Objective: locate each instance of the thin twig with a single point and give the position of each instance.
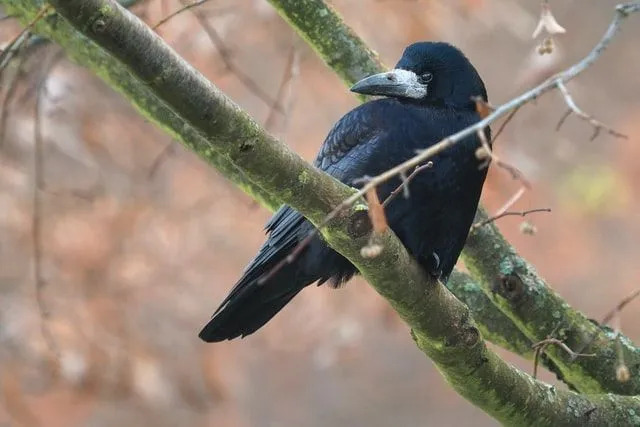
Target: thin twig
(573, 108)
(508, 213)
(164, 154)
(244, 78)
(177, 12)
(541, 346)
(404, 185)
(618, 308)
(516, 196)
(504, 124)
(622, 11)
(614, 314)
(37, 208)
(513, 171)
(15, 43)
(291, 72)
(12, 85)
(622, 370)
(13, 48)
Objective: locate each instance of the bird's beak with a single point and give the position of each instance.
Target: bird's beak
(396, 83)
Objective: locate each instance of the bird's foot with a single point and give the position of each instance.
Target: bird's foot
(435, 271)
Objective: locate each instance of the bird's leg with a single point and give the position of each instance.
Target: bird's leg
(434, 270)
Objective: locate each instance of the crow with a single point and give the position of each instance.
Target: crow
(428, 96)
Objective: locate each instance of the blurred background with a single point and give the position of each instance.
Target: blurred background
(137, 241)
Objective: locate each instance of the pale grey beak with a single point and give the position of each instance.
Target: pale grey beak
(396, 83)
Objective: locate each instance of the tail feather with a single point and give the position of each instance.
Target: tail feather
(244, 316)
(252, 304)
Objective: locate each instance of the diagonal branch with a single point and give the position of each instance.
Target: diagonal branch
(486, 251)
(117, 76)
(442, 327)
(573, 108)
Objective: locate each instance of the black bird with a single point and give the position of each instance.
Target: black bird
(428, 96)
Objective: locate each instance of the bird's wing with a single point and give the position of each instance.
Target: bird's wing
(342, 149)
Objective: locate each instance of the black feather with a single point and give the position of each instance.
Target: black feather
(368, 141)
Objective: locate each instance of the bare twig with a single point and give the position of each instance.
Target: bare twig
(618, 308)
(37, 208)
(12, 85)
(622, 11)
(18, 40)
(516, 196)
(285, 90)
(164, 154)
(573, 108)
(540, 347)
(508, 213)
(404, 185)
(504, 124)
(622, 370)
(225, 55)
(487, 151)
(177, 12)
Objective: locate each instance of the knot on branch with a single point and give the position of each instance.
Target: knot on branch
(98, 23)
(510, 287)
(470, 336)
(359, 224)
(98, 26)
(246, 145)
(467, 336)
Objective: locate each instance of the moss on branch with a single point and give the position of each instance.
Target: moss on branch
(324, 30)
(485, 248)
(494, 325)
(441, 324)
(518, 290)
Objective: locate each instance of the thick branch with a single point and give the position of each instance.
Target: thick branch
(117, 76)
(336, 43)
(494, 325)
(514, 286)
(536, 327)
(441, 323)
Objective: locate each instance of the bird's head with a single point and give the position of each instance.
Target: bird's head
(428, 73)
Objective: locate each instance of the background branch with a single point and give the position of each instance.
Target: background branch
(86, 53)
(594, 374)
(441, 324)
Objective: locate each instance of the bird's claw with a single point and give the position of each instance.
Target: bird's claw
(435, 271)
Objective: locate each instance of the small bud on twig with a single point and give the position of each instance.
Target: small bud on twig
(622, 373)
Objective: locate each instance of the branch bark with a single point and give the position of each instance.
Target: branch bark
(483, 251)
(86, 53)
(441, 325)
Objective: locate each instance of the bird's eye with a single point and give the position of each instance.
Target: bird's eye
(426, 77)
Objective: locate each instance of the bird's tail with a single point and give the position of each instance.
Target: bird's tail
(253, 302)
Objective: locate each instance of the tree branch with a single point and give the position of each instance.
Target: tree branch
(441, 324)
(591, 375)
(336, 43)
(514, 286)
(494, 325)
(86, 53)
